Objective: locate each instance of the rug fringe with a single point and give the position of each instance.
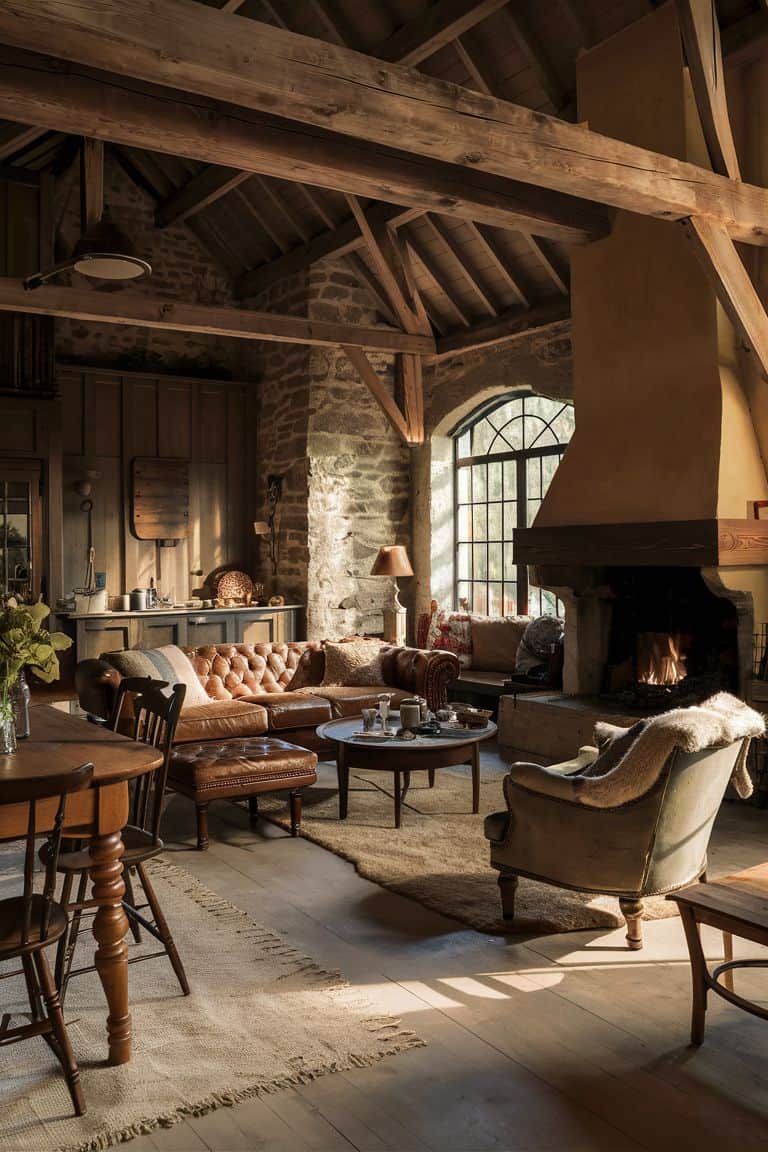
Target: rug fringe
(405, 1040)
(391, 1034)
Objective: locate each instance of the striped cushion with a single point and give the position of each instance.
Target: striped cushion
(166, 663)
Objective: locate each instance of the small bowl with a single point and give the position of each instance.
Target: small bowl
(473, 717)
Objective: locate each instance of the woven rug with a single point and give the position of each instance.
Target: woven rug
(261, 1017)
(439, 855)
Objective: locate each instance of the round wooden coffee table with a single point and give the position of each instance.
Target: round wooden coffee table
(401, 757)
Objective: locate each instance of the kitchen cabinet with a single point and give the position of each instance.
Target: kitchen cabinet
(113, 631)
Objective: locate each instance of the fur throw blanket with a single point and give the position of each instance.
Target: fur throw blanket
(717, 722)
(723, 719)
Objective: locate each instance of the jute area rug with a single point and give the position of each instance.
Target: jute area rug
(439, 856)
(261, 1017)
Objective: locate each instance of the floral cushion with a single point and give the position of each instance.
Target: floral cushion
(451, 632)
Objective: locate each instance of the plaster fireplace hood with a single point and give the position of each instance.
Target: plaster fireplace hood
(665, 463)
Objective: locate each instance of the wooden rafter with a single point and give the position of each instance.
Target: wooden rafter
(281, 208)
(91, 182)
(701, 38)
(486, 242)
(158, 312)
(510, 325)
(388, 266)
(558, 274)
(202, 190)
(437, 26)
(534, 54)
(316, 204)
(408, 370)
(326, 86)
(476, 73)
(338, 241)
(425, 257)
(14, 137)
(379, 391)
(721, 261)
(80, 101)
(367, 279)
(459, 258)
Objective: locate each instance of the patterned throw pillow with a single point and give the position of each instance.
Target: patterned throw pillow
(167, 663)
(451, 632)
(354, 663)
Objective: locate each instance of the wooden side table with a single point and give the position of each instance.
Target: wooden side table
(738, 906)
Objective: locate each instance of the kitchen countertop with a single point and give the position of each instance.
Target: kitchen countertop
(180, 610)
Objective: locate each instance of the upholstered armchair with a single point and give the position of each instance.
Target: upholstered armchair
(632, 819)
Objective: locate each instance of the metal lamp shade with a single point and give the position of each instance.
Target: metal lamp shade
(106, 253)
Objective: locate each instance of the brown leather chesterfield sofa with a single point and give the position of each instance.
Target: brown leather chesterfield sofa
(273, 689)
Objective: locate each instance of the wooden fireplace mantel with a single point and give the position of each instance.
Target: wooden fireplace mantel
(678, 543)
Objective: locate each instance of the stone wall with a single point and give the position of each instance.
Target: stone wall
(346, 473)
(180, 268)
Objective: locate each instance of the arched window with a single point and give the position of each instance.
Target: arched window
(505, 456)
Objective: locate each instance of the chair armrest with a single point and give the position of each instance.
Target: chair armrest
(585, 756)
(427, 673)
(543, 781)
(96, 683)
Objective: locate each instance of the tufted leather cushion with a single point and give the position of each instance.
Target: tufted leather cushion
(229, 671)
(242, 766)
(220, 719)
(295, 709)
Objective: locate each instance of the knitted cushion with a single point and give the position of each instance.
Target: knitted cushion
(166, 663)
(356, 662)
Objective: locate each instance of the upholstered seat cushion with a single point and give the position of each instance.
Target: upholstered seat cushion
(241, 767)
(346, 701)
(305, 709)
(221, 719)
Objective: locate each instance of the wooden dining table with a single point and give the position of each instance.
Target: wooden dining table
(59, 741)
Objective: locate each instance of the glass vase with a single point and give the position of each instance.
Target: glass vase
(20, 696)
(7, 728)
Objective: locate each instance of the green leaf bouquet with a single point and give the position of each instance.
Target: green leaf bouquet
(24, 643)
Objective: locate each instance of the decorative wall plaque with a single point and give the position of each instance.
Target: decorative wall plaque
(160, 499)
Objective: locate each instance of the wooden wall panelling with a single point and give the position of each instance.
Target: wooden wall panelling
(139, 402)
(101, 416)
(237, 470)
(107, 534)
(71, 385)
(174, 419)
(19, 427)
(212, 474)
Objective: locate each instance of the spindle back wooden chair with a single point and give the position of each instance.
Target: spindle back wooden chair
(156, 711)
(34, 921)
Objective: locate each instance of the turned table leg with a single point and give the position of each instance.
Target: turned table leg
(110, 926)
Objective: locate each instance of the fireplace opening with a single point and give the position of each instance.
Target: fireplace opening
(672, 641)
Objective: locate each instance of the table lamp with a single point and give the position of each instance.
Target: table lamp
(392, 560)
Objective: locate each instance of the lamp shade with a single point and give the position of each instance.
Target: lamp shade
(105, 253)
(392, 560)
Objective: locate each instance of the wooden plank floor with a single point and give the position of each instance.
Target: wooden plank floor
(565, 1043)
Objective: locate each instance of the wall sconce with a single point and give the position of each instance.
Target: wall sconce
(267, 527)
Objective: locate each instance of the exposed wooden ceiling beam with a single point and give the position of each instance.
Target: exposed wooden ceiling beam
(91, 182)
(721, 261)
(486, 243)
(282, 209)
(701, 38)
(552, 266)
(370, 377)
(202, 190)
(508, 326)
(80, 101)
(158, 312)
(338, 241)
(479, 80)
(386, 261)
(459, 258)
(178, 43)
(534, 54)
(408, 372)
(423, 254)
(743, 39)
(368, 280)
(14, 137)
(435, 27)
(316, 204)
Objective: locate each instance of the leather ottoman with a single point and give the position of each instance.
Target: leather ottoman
(240, 767)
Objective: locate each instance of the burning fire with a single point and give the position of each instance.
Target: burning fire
(659, 658)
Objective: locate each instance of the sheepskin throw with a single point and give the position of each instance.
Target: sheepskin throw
(722, 719)
(719, 721)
